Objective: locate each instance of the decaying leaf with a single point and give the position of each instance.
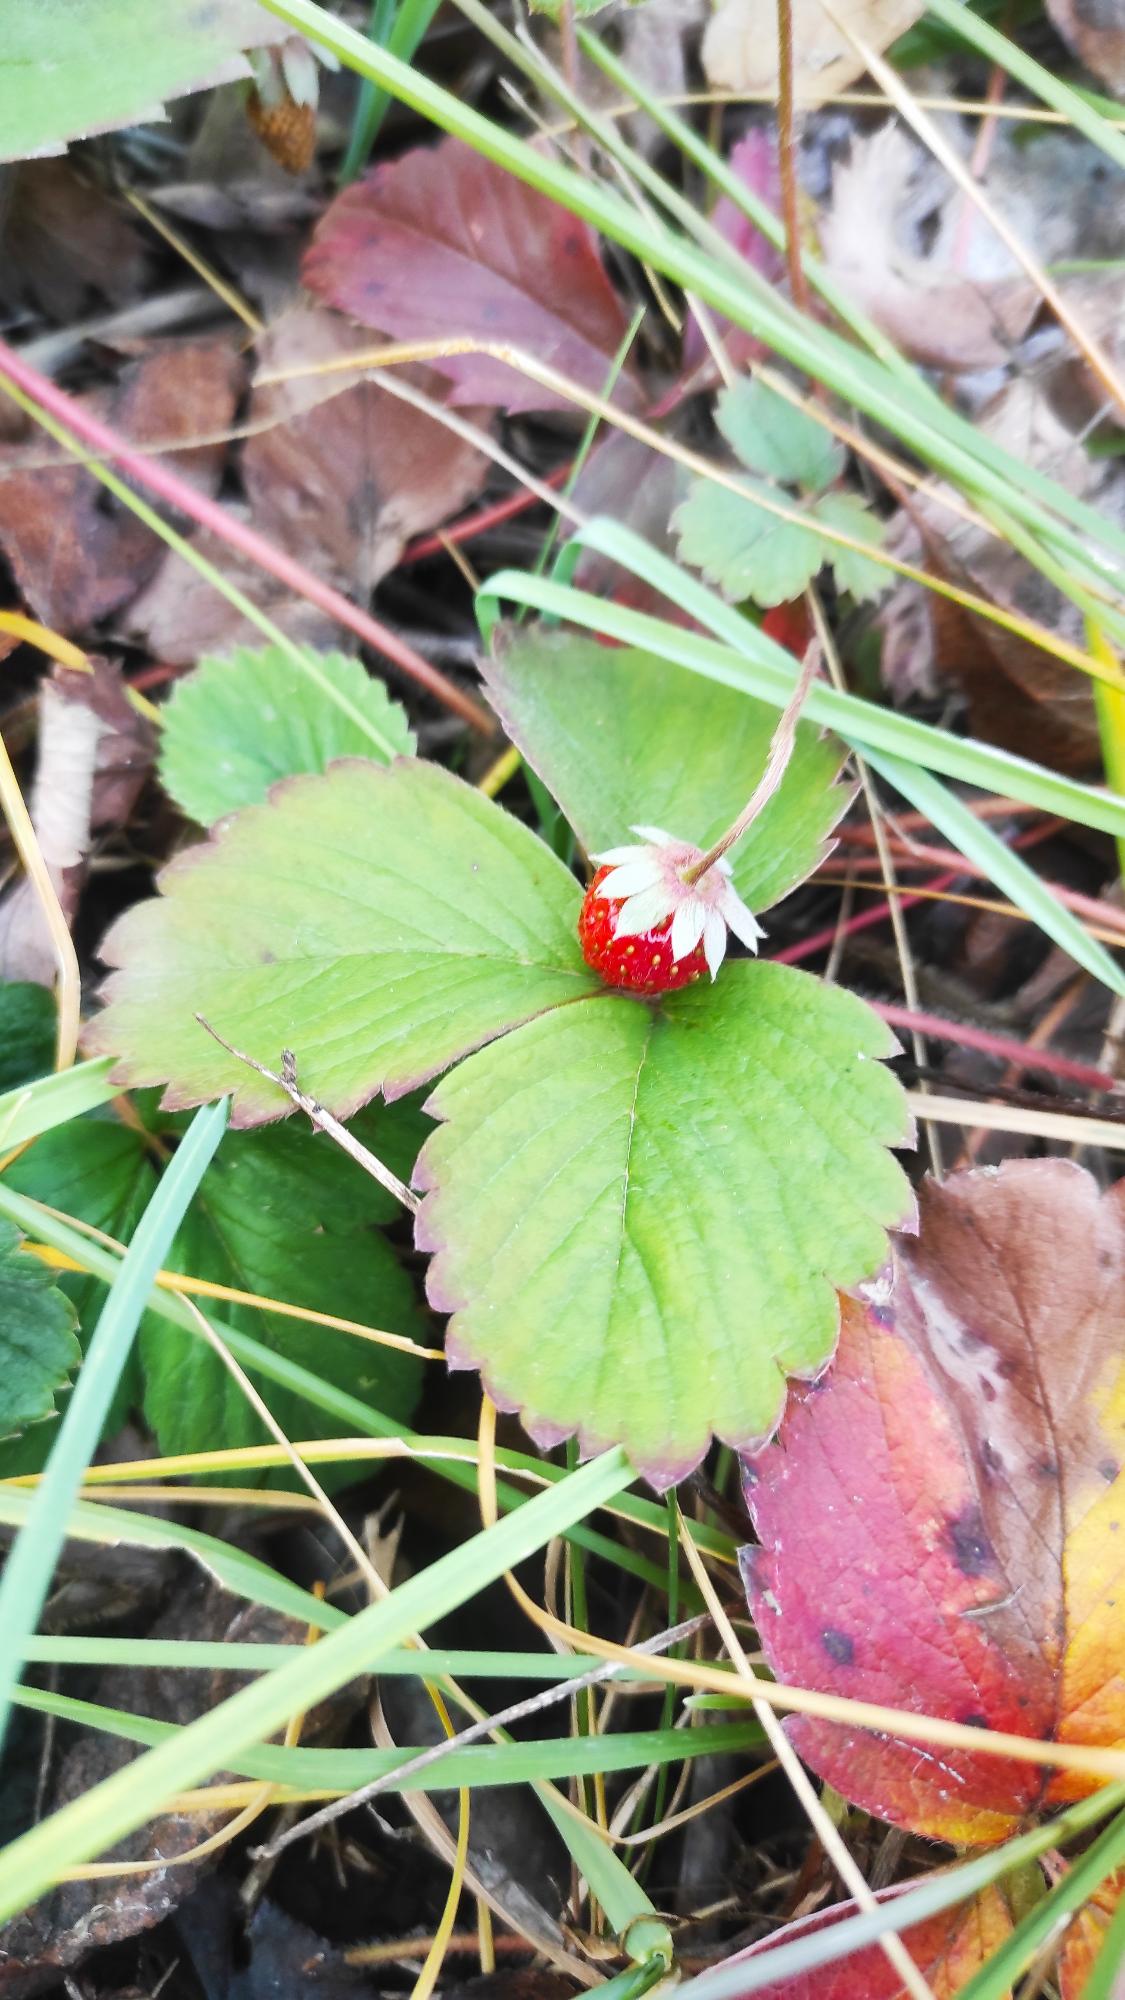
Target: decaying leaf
(1095, 30)
(740, 46)
(444, 244)
(76, 559)
(947, 1949)
(347, 473)
(944, 312)
(65, 241)
(1086, 1936)
(94, 754)
(942, 1518)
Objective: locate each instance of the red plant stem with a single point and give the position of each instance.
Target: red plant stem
(1087, 907)
(479, 523)
(1005, 1048)
(208, 514)
(823, 940)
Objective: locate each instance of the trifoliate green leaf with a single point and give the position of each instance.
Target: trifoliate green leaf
(640, 1216)
(241, 721)
(744, 548)
(377, 921)
(774, 438)
(862, 575)
(621, 738)
(38, 1350)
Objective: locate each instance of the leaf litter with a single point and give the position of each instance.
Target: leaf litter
(935, 1524)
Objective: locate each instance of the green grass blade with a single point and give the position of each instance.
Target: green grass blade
(94, 1822)
(221, 1655)
(761, 668)
(546, 1760)
(934, 1894)
(37, 1107)
(29, 1568)
(1008, 870)
(104, 1526)
(967, 24)
(999, 1976)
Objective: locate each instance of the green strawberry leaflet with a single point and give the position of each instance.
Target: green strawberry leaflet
(639, 1216)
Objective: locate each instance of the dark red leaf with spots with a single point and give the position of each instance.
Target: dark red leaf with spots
(942, 1516)
(947, 1949)
(443, 245)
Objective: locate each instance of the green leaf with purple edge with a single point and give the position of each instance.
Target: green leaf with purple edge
(378, 921)
(640, 1216)
(621, 738)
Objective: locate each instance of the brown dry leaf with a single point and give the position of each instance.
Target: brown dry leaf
(348, 473)
(1095, 30)
(1019, 696)
(740, 45)
(181, 616)
(64, 241)
(940, 315)
(94, 754)
(77, 558)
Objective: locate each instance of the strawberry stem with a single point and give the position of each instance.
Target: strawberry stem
(780, 751)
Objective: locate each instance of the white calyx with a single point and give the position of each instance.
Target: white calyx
(650, 878)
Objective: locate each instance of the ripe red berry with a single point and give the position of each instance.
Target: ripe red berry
(641, 964)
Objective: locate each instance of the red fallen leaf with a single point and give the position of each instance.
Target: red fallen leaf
(790, 625)
(947, 1949)
(443, 243)
(942, 1516)
(754, 160)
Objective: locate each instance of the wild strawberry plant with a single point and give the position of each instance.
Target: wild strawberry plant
(639, 1209)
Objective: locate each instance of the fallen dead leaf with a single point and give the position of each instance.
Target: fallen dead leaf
(947, 1949)
(94, 755)
(180, 616)
(64, 242)
(941, 315)
(442, 243)
(347, 473)
(941, 1516)
(1095, 30)
(76, 556)
(740, 45)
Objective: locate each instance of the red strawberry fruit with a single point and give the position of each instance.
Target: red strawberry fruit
(651, 922)
(642, 964)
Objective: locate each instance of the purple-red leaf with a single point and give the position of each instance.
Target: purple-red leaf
(947, 1949)
(942, 1516)
(444, 245)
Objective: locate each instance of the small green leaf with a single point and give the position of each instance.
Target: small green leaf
(621, 738)
(379, 921)
(38, 1349)
(640, 1216)
(862, 575)
(27, 1033)
(741, 547)
(240, 722)
(775, 439)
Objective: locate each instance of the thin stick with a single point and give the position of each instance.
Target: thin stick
(786, 156)
(286, 1080)
(518, 1711)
